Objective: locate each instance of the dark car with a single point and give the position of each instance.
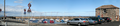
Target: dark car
(98, 19)
(107, 19)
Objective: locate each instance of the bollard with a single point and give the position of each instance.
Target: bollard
(5, 23)
(29, 22)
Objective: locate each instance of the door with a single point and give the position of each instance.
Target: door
(71, 21)
(76, 21)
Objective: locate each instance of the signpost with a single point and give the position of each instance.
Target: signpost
(29, 11)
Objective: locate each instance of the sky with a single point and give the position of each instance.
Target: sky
(55, 7)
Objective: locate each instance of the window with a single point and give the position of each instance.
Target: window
(94, 18)
(87, 19)
(72, 19)
(82, 19)
(90, 19)
(76, 19)
(104, 10)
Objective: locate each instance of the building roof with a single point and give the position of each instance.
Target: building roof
(107, 7)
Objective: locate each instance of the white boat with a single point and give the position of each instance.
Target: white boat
(26, 20)
(32, 19)
(42, 19)
(39, 20)
(66, 20)
(51, 19)
(58, 20)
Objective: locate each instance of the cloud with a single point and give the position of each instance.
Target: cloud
(18, 1)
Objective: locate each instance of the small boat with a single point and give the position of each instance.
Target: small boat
(51, 20)
(63, 20)
(32, 19)
(19, 19)
(39, 21)
(66, 20)
(58, 20)
(44, 21)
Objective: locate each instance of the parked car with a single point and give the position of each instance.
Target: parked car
(91, 21)
(107, 19)
(78, 21)
(98, 19)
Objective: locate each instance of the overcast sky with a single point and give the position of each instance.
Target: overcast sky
(55, 7)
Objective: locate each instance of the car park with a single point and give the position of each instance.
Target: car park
(107, 19)
(91, 21)
(98, 19)
(78, 21)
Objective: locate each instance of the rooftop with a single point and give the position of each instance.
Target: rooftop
(107, 7)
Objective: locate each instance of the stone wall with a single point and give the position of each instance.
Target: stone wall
(112, 13)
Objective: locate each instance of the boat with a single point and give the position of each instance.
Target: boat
(51, 20)
(58, 20)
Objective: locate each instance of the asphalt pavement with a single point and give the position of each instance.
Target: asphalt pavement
(115, 23)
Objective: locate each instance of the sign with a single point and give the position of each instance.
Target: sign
(29, 5)
(24, 11)
(98, 15)
(29, 10)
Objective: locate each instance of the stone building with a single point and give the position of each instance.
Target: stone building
(108, 11)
